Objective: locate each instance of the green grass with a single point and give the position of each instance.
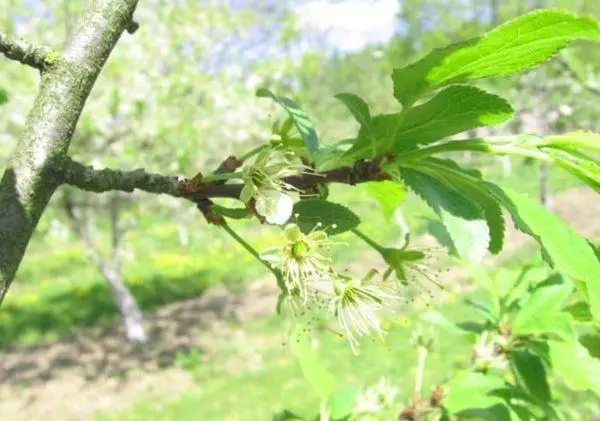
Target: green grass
(278, 384)
(46, 301)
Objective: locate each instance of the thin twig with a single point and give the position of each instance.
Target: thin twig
(249, 248)
(567, 66)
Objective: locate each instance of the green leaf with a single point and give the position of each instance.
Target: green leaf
(580, 311)
(389, 194)
(544, 302)
(287, 415)
(452, 111)
(385, 127)
(591, 342)
(462, 218)
(471, 239)
(531, 374)
(573, 363)
(472, 391)
(438, 319)
(558, 325)
(488, 308)
(470, 184)
(333, 155)
(570, 253)
(3, 96)
(341, 403)
(301, 120)
(360, 110)
(333, 217)
(439, 195)
(513, 47)
(579, 139)
(522, 405)
(473, 188)
(517, 293)
(581, 166)
(321, 380)
(496, 412)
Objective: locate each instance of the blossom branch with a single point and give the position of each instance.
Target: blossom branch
(86, 177)
(360, 172)
(23, 51)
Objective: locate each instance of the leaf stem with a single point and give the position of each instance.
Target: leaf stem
(500, 146)
(512, 150)
(253, 152)
(251, 250)
(421, 359)
(368, 240)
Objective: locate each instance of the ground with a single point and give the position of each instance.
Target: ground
(96, 369)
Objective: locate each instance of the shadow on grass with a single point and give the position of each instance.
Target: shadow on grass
(56, 313)
(103, 351)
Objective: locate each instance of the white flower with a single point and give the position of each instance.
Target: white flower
(488, 352)
(357, 306)
(274, 205)
(263, 181)
(301, 260)
(375, 399)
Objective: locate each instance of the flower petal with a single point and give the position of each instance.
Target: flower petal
(247, 191)
(274, 205)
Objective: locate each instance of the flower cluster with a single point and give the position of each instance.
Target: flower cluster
(308, 275)
(371, 402)
(358, 304)
(301, 259)
(490, 352)
(264, 182)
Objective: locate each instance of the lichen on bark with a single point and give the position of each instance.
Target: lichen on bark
(29, 180)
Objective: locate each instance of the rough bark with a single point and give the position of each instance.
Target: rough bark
(66, 81)
(23, 52)
(86, 177)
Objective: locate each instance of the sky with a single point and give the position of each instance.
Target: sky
(350, 24)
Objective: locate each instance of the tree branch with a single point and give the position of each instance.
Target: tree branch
(88, 178)
(67, 80)
(23, 51)
(576, 76)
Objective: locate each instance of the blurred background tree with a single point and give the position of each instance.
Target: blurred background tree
(178, 96)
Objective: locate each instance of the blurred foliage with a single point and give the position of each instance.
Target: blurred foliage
(177, 97)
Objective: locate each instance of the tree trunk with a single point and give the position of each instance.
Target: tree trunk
(66, 81)
(130, 311)
(110, 267)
